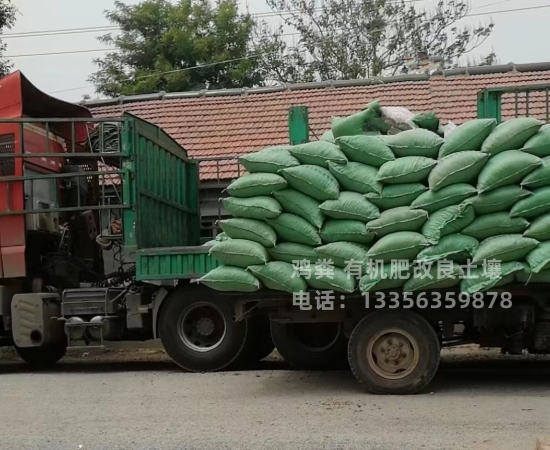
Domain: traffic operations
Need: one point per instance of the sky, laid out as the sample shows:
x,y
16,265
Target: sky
x,y
519,37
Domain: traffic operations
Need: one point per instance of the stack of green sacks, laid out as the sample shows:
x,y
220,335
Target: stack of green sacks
x,y
479,196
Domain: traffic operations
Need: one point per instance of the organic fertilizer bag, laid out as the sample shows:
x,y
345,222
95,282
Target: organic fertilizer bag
x,y
367,121
480,281
508,167
268,161
538,259
417,142
504,248
350,205
230,279
461,167
539,177
249,229
435,278
449,220
314,181
396,195
302,205
528,277
293,228
393,220
345,230
239,253
220,237
326,277
539,144
410,169
539,228
397,118
318,153
450,195
453,247
534,205
279,276
511,134
494,224
342,254
468,136
387,276
500,199
252,207
403,245
291,253
428,121
356,177
256,184
328,136
369,150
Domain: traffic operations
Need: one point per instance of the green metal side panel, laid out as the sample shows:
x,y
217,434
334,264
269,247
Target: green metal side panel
x,y
298,125
489,104
174,263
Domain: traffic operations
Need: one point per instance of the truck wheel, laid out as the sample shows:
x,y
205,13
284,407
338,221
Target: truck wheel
x,y
198,332
310,346
42,357
258,345
394,352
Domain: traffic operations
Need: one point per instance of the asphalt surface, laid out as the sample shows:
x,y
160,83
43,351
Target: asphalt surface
x,y
479,401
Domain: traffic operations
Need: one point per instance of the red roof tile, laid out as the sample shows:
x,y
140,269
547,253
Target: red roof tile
x,y
225,126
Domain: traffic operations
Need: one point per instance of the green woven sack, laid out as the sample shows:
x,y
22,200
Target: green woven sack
x,y
314,181
369,150
268,161
220,237
404,245
504,248
528,277
259,208
279,276
539,144
367,121
239,253
508,167
428,121
448,220
480,282
410,169
461,167
539,177
500,199
329,278
356,177
435,279
539,228
345,230
494,224
350,205
539,258
249,229
453,247
318,153
341,253
302,205
396,195
416,142
511,134
328,136
256,184
449,195
387,276
230,279
468,136
293,228
393,220
292,253
533,205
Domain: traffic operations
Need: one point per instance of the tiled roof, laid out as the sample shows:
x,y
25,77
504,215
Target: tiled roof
x,y
225,124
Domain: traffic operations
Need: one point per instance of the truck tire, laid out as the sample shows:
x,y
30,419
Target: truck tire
x,y
394,352
311,346
198,332
42,357
258,345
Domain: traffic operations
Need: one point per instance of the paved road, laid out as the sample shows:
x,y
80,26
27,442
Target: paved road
x,y
476,403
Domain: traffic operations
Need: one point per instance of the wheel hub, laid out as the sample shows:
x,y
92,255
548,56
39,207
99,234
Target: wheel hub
x,y
205,326
392,354
202,327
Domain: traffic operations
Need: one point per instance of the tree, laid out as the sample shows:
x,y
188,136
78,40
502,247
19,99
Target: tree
x,y
348,39
7,20
171,47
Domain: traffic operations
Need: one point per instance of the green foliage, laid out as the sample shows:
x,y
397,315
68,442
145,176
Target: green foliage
x,y
7,20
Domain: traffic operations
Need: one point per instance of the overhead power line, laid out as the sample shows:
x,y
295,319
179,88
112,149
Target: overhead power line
x,y
71,52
